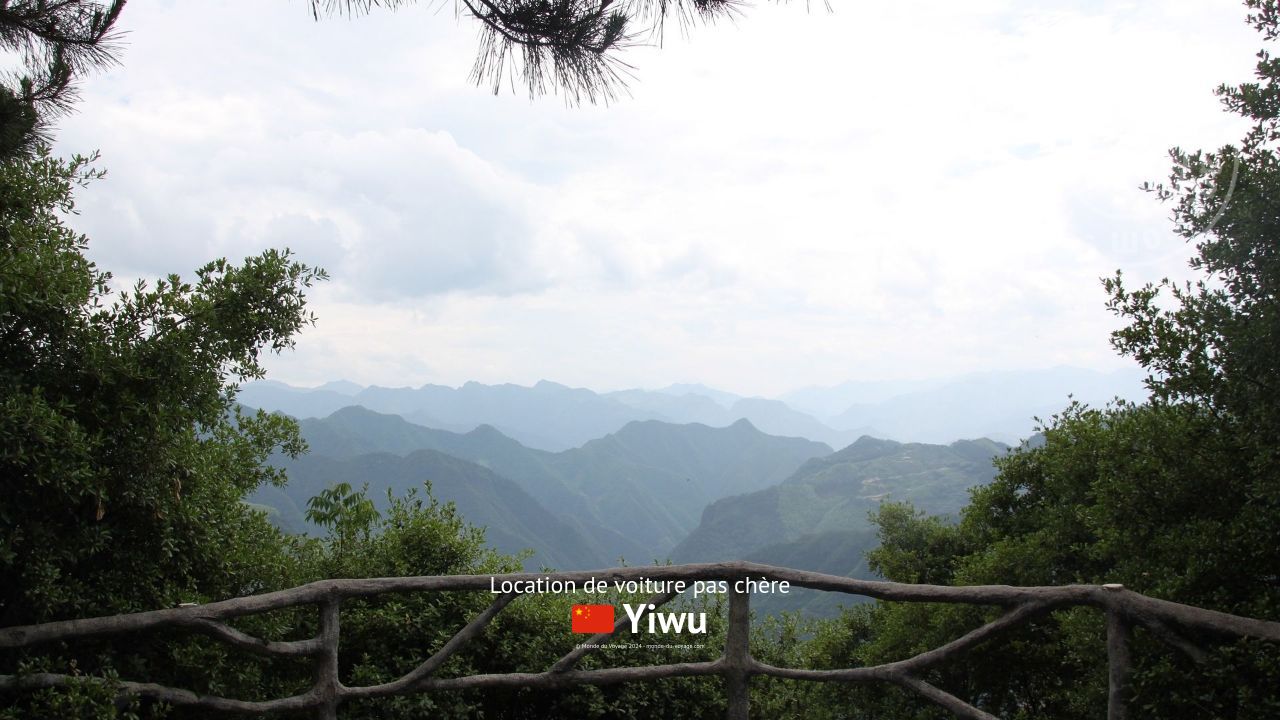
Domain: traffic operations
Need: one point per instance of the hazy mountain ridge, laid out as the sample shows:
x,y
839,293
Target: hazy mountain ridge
x,y
632,494
998,405
354,431
554,417
547,416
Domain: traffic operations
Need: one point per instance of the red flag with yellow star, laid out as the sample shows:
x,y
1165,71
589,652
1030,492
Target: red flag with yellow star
x,y
592,618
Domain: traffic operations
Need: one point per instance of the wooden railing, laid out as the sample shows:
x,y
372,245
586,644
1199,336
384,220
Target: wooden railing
x,y
1173,623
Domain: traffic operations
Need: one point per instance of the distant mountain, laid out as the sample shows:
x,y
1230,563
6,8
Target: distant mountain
x,y
827,402
354,431
547,416
817,519
725,399
678,408
776,418
513,519
632,494
342,387
298,402
651,480
772,417
998,405
554,417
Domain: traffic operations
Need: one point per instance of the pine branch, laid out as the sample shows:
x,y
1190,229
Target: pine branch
x,y
563,46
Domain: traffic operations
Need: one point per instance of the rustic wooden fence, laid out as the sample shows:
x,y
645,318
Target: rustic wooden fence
x,y
1173,623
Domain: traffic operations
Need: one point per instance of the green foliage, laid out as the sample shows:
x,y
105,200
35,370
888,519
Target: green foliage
x,y
914,547
122,455
1177,498
1148,496
515,521
87,700
791,640
1213,348
17,123
387,636
1214,342
349,516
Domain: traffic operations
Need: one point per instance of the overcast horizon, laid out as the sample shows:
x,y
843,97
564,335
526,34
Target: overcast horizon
x,y
798,198
1124,378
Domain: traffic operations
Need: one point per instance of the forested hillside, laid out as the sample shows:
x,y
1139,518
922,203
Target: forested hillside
x,y
514,521
820,518
633,494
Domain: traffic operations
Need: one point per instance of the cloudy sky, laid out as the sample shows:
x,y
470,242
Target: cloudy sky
x,y
890,190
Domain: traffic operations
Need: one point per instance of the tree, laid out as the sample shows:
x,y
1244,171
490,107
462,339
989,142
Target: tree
x,y
386,636
1218,346
1178,497
120,436
570,45
122,453
57,42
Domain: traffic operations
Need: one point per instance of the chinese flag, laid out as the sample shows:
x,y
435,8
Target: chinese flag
x,y
592,618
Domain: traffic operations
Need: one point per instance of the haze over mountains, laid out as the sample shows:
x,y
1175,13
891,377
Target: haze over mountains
x,y
554,417
632,494
687,473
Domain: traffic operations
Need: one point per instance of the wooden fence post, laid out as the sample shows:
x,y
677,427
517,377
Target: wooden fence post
x,y
326,676
1118,666
737,655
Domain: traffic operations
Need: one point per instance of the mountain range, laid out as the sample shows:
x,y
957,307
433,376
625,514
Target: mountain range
x,y
686,473
553,417
632,494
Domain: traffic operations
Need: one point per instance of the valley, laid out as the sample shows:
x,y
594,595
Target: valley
x,y
651,490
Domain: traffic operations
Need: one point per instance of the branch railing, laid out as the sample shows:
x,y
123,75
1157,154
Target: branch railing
x,y
1173,623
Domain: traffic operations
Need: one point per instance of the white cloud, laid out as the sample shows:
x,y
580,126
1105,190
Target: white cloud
x,y
888,190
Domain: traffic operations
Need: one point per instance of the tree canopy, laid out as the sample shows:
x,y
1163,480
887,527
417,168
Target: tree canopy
x,y
1177,497
123,453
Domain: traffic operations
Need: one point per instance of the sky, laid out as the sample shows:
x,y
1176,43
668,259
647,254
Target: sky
x,y
882,191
